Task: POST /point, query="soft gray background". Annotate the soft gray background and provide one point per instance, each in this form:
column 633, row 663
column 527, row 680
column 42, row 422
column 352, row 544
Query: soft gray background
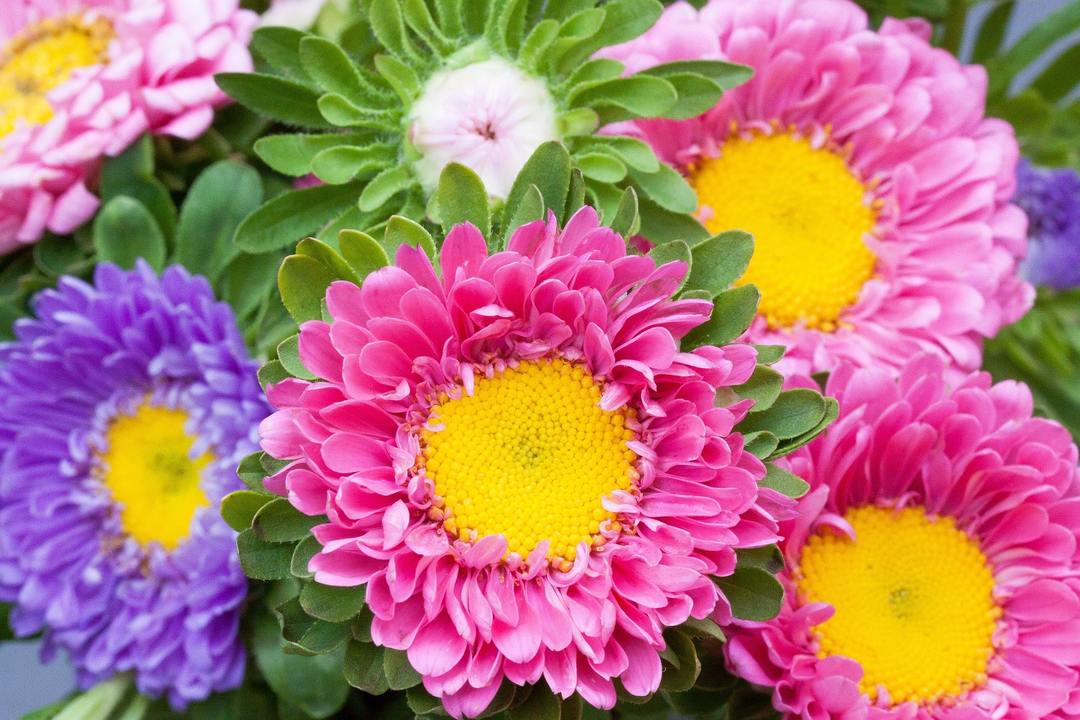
column 26, row 684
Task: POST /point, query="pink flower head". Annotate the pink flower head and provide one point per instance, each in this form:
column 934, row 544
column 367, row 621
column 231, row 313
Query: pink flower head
column 561, row 344
column 81, row 79
column 933, row 568
column 877, row 191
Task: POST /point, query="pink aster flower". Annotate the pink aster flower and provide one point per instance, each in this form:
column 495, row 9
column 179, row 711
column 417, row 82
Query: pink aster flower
column 519, row 463
column 81, row 79
column 877, row 191
column 933, row 568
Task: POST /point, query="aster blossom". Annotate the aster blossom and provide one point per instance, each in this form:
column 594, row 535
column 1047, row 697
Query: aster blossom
column 126, row 406
column 862, row 162
column 1051, row 199
column 932, row 568
column 519, row 464
column 81, row 79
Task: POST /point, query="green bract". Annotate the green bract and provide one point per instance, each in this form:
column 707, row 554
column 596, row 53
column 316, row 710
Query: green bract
column 350, row 102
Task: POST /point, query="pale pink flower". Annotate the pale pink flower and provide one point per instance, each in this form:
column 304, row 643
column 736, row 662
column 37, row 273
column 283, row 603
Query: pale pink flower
column 972, row 459
column 907, row 122
column 140, row 65
column 472, row 609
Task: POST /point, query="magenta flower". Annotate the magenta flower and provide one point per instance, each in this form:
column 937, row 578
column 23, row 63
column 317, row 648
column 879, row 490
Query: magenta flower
column 81, row 79
column 933, row 566
column 518, row 462
column 877, row 191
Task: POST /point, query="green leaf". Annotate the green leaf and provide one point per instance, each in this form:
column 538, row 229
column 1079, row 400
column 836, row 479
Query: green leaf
column 627, row 220
column 251, row 472
column 420, row 702
column 137, row 161
column 342, row 112
column 328, row 257
column 275, row 97
column 400, row 675
column 705, row 628
column 1031, row 46
column 575, row 198
column 219, row 199
column 794, row 413
column 384, row 186
column 388, row 25
column 238, row 508
column 667, row 188
column 460, row 197
column 272, row 373
column 549, row 170
column 768, row 558
column 601, row 167
column 280, row 46
column 418, row 17
column 306, row 549
column 832, row 411
column 313, row 684
column 364, row 668
column 670, row 252
column 696, row 95
column 530, row 208
column 761, row 444
column 768, row 354
column 341, row 164
column 720, row 261
column 124, row 231
column 541, row 704
column 320, row 638
column 726, row 75
column 536, row 43
column 763, row 388
column 263, row 560
column 98, row 702
column 362, row 252
column 401, row 77
column 627, row 98
column 302, row 282
column 1060, row 77
column 581, row 121
column 248, row 280
column 279, row 522
column 784, row 482
column 288, row 352
column 403, row 231
column 623, row 20
column 992, row 32
column 754, row 594
column 152, row 194
column 293, row 154
column 631, row 151
column 660, row 225
column 333, row 604
column 684, row 674
column 281, row 222
column 331, row 68
column 733, row 310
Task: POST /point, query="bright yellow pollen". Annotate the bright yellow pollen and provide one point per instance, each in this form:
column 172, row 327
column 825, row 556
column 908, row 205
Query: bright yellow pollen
column 42, row 57
column 153, row 478
column 914, row 603
column 530, row 455
column 808, row 215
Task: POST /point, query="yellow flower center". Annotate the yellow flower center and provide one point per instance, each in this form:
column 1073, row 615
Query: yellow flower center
column 914, row 602
column 529, row 455
column 152, row 476
column 808, row 214
column 42, row 57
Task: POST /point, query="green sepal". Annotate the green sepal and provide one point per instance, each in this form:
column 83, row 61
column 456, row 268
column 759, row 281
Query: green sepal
column 252, row 473
column 720, row 261
column 769, row 354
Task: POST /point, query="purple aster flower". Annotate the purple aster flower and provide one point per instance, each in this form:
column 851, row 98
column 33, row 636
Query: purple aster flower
column 125, row 407
column 1051, row 199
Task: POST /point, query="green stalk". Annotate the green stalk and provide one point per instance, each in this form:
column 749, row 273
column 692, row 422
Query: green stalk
column 955, row 22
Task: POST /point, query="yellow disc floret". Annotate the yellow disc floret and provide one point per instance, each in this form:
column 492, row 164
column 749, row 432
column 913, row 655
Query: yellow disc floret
column 42, row 57
column 529, row 455
column 914, row 603
column 149, row 469
column 808, row 214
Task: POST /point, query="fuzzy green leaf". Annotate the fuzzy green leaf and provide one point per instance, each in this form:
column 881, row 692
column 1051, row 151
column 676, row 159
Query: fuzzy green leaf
column 341, row 164
column 726, row 75
column 761, row 444
column 720, row 261
column 362, row 252
column 288, row 353
column 341, row 112
column 460, row 197
column 401, row 77
column 578, row 122
column 275, row 97
column 124, row 231
column 403, row 231
column 763, row 388
column 537, row 42
column 327, row 256
column 219, row 199
column 282, row 221
column 418, row 17
column 280, row 46
column 238, row 508
column 331, row 68
column 733, row 310
column 272, row 373
column 660, row 225
column 302, row 282
column 784, row 482
column 389, row 26
column 364, row 668
column 754, row 594
column 263, row 560
column 626, row 98
column 333, row 604
column 292, row 154
column 631, row 151
column 793, row 413
column 529, row 209
column 400, row 675
column 600, row 166
column 384, row 186
column 313, row 684
column 278, row 521
column 627, row 218
column 549, row 170
column 667, row 188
